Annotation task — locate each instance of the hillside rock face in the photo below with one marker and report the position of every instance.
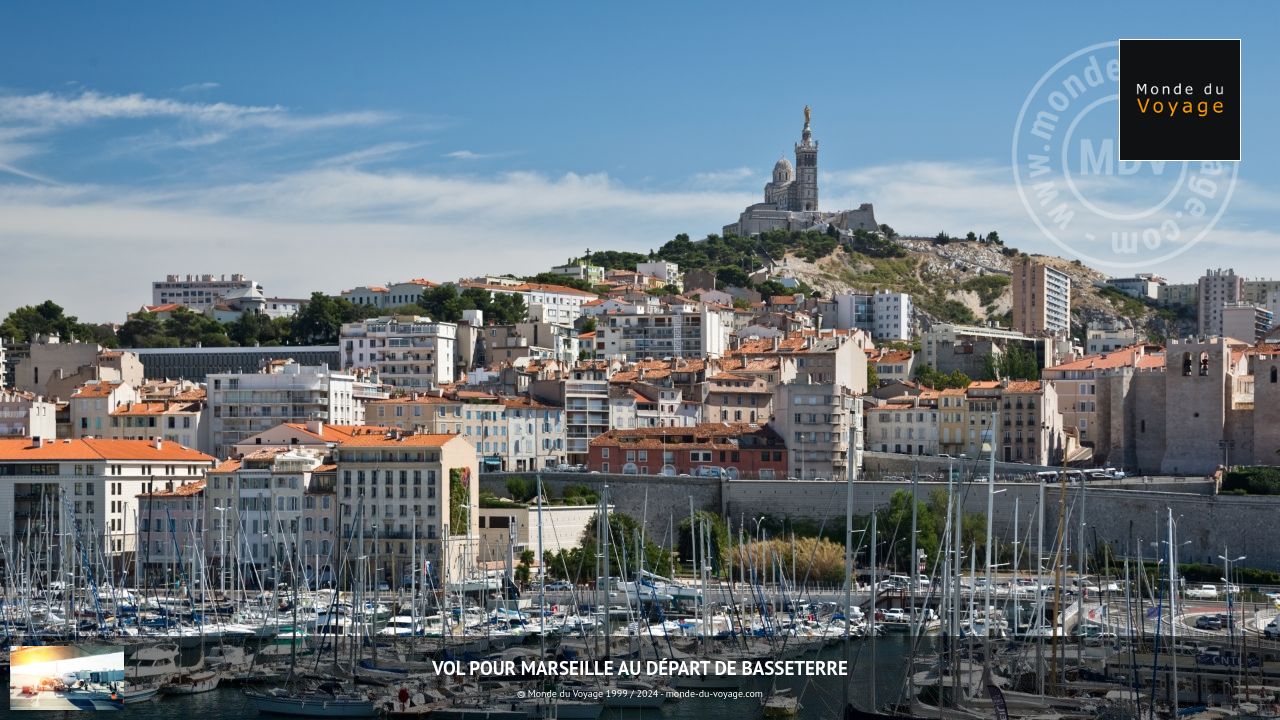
(946, 282)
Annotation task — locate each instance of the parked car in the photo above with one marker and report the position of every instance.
(1272, 630)
(895, 615)
(559, 585)
(1208, 622)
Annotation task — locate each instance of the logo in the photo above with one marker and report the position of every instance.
(1107, 211)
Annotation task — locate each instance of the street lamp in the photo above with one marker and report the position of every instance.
(1226, 570)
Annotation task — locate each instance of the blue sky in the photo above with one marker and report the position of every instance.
(323, 146)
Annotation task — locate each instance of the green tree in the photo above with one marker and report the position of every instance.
(521, 488)
(141, 330)
(47, 318)
(459, 500)
(894, 526)
(1015, 363)
(320, 321)
(873, 377)
(719, 540)
(189, 328)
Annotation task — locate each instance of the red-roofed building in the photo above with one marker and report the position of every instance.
(740, 450)
(93, 481)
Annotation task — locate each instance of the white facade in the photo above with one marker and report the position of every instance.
(93, 482)
(244, 404)
(891, 313)
(198, 292)
(1101, 339)
(667, 272)
(405, 351)
(25, 414)
(507, 532)
(690, 330)
(903, 427)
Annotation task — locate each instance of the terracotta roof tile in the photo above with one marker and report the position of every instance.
(98, 449)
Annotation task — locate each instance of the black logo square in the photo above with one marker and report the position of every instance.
(1180, 100)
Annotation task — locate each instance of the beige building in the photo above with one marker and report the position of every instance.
(55, 369)
(1041, 298)
(506, 532)
(817, 422)
(1030, 424)
(1215, 289)
(738, 398)
(393, 486)
(1077, 385)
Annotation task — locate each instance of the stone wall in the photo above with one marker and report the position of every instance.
(1127, 516)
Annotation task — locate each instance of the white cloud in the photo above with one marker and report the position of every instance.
(198, 87)
(732, 179)
(50, 110)
(365, 156)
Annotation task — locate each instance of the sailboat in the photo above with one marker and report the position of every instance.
(325, 700)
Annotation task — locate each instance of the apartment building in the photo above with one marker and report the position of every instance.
(737, 398)
(393, 487)
(584, 394)
(92, 485)
(732, 450)
(1245, 321)
(391, 295)
(24, 414)
(405, 351)
(1041, 298)
(691, 330)
(1030, 427)
(242, 405)
(494, 346)
(817, 421)
(55, 369)
(170, 536)
(508, 433)
(1215, 290)
(819, 356)
(255, 514)
(907, 424)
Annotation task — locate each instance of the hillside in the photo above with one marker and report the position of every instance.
(951, 279)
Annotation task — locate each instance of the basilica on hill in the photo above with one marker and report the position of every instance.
(791, 198)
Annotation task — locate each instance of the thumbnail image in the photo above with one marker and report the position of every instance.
(66, 677)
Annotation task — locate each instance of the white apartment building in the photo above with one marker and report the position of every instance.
(92, 482)
(891, 313)
(405, 351)
(255, 512)
(906, 425)
(388, 296)
(1101, 338)
(692, 330)
(584, 395)
(508, 433)
(667, 272)
(245, 404)
(198, 292)
(24, 414)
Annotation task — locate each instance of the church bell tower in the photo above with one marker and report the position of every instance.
(806, 183)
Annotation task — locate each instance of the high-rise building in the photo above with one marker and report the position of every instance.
(1216, 289)
(1041, 298)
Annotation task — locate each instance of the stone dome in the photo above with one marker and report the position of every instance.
(782, 170)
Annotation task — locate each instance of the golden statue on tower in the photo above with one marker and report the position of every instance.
(806, 114)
